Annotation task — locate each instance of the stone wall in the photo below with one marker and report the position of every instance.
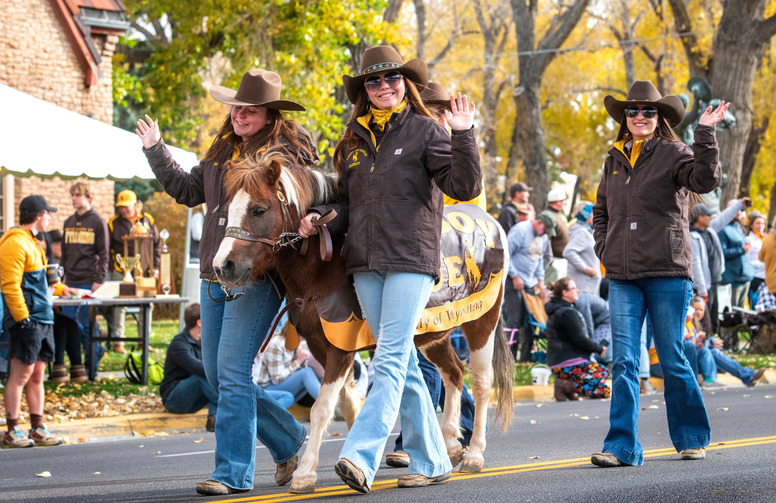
(38, 59)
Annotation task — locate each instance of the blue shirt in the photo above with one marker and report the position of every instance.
(525, 253)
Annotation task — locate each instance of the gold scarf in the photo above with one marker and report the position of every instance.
(380, 117)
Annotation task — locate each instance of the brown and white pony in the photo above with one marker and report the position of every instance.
(268, 197)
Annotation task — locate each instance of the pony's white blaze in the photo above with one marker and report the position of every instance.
(237, 211)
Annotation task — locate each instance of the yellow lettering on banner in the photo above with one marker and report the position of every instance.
(447, 316)
(488, 229)
(461, 222)
(453, 265)
(441, 281)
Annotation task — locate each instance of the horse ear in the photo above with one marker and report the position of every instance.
(273, 171)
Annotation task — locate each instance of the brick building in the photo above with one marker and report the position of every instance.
(59, 51)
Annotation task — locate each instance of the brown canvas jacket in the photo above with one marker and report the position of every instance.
(390, 202)
(641, 215)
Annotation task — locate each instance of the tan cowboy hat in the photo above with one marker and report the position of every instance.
(379, 59)
(643, 92)
(258, 88)
(435, 94)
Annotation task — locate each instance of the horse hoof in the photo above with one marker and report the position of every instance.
(302, 488)
(456, 455)
(471, 465)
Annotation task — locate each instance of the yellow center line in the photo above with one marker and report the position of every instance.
(493, 472)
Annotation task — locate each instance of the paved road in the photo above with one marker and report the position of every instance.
(543, 458)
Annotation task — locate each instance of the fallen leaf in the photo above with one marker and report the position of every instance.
(539, 404)
(158, 452)
(81, 439)
(534, 457)
(199, 441)
(335, 434)
(97, 473)
(768, 396)
(533, 422)
(43, 474)
(584, 418)
(654, 407)
(723, 409)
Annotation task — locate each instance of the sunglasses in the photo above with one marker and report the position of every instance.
(646, 112)
(376, 82)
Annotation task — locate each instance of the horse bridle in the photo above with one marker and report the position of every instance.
(283, 239)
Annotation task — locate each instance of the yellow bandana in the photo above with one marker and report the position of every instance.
(380, 117)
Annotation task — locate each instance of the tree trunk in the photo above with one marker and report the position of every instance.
(529, 134)
(750, 154)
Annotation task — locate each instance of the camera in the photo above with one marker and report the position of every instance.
(748, 203)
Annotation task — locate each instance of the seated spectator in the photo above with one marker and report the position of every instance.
(719, 360)
(569, 348)
(289, 371)
(184, 388)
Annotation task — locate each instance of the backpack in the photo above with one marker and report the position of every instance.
(133, 369)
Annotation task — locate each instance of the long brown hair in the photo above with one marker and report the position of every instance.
(663, 130)
(350, 140)
(276, 129)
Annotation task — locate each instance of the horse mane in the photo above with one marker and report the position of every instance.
(275, 170)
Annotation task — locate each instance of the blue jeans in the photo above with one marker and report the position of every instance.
(232, 333)
(300, 383)
(392, 303)
(81, 315)
(437, 391)
(190, 395)
(727, 364)
(666, 301)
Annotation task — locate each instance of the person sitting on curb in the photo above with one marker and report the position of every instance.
(718, 359)
(569, 348)
(291, 371)
(184, 388)
(29, 320)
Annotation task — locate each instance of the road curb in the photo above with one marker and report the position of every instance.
(163, 423)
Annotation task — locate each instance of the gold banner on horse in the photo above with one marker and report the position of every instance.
(471, 248)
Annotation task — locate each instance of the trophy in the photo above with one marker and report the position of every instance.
(166, 285)
(127, 286)
(140, 240)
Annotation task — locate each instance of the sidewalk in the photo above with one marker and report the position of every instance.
(161, 424)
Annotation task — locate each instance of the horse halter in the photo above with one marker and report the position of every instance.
(283, 239)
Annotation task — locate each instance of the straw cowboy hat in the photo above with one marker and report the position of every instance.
(643, 92)
(258, 88)
(379, 59)
(435, 94)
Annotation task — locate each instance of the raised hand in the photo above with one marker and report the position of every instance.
(462, 116)
(710, 118)
(148, 131)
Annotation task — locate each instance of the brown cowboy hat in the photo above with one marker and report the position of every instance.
(258, 88)
(643, 92)
(379, 59)
(435, 94)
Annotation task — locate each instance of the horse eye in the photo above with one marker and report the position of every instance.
(259, 212)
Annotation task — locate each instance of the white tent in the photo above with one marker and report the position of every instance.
(40, 138)
(43, 139)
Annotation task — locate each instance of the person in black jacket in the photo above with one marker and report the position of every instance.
(184, 388)
(569, 348)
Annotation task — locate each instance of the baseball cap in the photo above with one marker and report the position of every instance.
(35, 204)
(521, 187)
(125, 198)
(556, 195)
(548, 218)
(698, 210)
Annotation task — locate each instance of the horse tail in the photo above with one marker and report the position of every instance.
(503, 377)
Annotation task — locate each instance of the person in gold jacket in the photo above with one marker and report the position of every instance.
(29, 320)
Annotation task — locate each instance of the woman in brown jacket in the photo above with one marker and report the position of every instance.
(392, 162)
(642, 238)
(233, 331)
